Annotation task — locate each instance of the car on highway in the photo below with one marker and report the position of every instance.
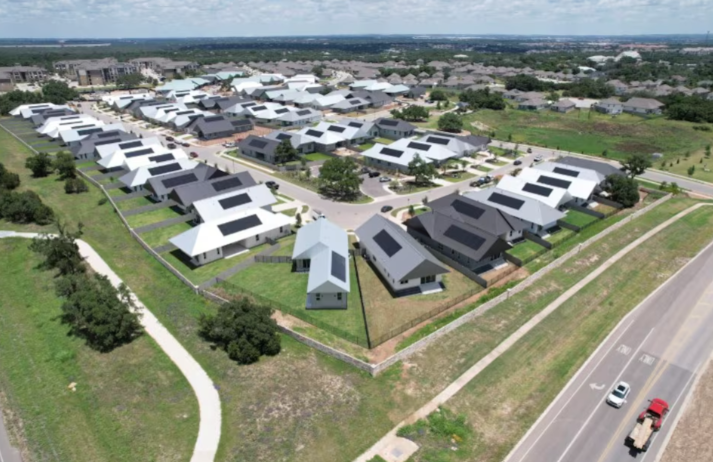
(272, 185)
(193, 155)
(617, 397)
(386, 208)
(374, 174)
(517, 162)
(384, 179)
(647, 424)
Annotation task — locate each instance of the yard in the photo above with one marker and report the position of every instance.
(155, 216)
(526, 249)
(560, 236)
(681, 164)
(580, 219)
(457, 177)
(409, 187)
(161, 236)
(316, 156)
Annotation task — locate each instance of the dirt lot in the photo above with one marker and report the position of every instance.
(691, 440)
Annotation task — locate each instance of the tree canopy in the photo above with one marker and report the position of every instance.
(60, 251)
(127, 81)
(421, 170)
(483, 99)
(636, 164)
(57, 92)
(64, 165)
(524, 82)
(285, 152)
(411, 113)
(24, 207)
(689, 108)
(40, 164)
(338, 178)
(438, 95)
(8, 180)
(450, 122)
(624, 190)
(589, 88)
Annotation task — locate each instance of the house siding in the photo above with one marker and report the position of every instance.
(396, 285)
(326, 301)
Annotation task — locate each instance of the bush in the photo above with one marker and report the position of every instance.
(75, 186)
(40, 164)
(8, 180)
(24, 207)
(450, 122)
(102, 201)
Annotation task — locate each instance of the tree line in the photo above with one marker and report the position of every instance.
(53, 91)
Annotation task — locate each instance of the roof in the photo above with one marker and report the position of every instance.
(259, 144)
(106, 150)
(165, 184)
(318, 241)
(88, 145)
(142, 174)
(186, 195)
(216, 207)
(473, 213)
(643, 103)
(548, 195)
(212, 235)
(603, 168)
(579, 188)
(522, 207)
(394, 124)
(400, 254)
(564, 103)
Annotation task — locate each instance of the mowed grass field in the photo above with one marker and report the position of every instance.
(132, 404)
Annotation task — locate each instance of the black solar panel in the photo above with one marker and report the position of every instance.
(304, 112)
(258, 144)
(69, 118)
(183, 112)
(172, 110)
(389, 123)
(556, 182)
(241, 224)
(70, 123)
(76, 127)
(259, 108)
(234, 201)
(467, 209)
(131, 144)
(419, 146)
(108, 141)
(89, 131)
(391, 152)
(355, 124)
(339, 267)
(507, 201)
(250, 104)
(315, 133)
(567, 172)
(126, 97)
(282, 111)
(165, 169)
(337, 129)
(180, 180)
(162, 158)
(354, 101)
(468, 239)
(387, 243)
(140, 152)
(436, 140)
(227, 184)
(535, 189)
(107, 134)
(212, 119)
(284, 136)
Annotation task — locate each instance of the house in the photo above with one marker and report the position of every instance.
(538, 216)
(27, 111)
(74, 136)
(375, 99)
(185, 195)
(404, 264)
(533, 104)
(571, 171)
(107, 149)
(54, 124)
(86, 149)
(233, 234)
(161, 187)
(299, 118)
(350, 105)
(42, 117)
(259, 148)
(301, 143)
(416, 92)
(137, 153)
(579, 189)
(550, 196)
(512, 94)
(644, 106)
(328, 136)
(603, 168)
(609, 106)
(322, 249)
(221, 205)
(218, 126)
(136, 179)
(620, 88)
(563, 105)
(394, 129)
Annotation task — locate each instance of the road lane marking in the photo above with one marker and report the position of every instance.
(624, 349)
(647, 359)
(599, 402)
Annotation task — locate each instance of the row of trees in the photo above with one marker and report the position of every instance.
(52, 92)
(410, 113)
(42, 164)
(482, 99)
(21, 207)
(688, 108)
(585, 88)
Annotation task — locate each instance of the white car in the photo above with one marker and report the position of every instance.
(618, 395)
(384, 179)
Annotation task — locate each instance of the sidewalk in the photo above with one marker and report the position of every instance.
(208, 399)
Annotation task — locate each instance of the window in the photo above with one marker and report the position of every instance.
(306, 263)
(428, 279)
(403, 281)
(257, 238)
(218, 250)
(339, 296)
(204, 257)
(440, 246)
(318, 297)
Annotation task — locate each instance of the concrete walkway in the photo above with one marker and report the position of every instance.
(392, 445)
(208, 398)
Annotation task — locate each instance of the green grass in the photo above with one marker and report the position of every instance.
(410, 188)
(155, 216)
(462, 176)
(131, 404)
(580, 219)
(134, 203)
(366, 146)
(161, 236)
(680, 165)
(483, 169)
(287, 244)
(200, 274)
(560, 236)
(385, 141)
(289, 212)
(525, 249)
(442, 434)
(316, 156)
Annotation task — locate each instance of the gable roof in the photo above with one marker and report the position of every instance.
(571, 171)
(318, 241)
(522, 207)
(165, 184)
(603, 168)
(260, 144)
(186, 195)
(142, 174)
(579, 188)
(477, 215)
(216, 207)
(406, 259)
(394, 124)
(548, 195)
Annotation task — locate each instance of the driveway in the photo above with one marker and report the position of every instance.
(372, 187)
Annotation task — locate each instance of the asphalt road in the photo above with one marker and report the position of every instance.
(658, 350)
(7, 452)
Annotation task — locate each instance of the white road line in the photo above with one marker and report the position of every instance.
(599, 402)
(584, 382)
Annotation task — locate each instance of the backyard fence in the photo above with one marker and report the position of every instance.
(272, 259)
(537, 239)
(609, 202)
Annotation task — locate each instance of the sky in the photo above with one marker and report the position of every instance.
(235, 18)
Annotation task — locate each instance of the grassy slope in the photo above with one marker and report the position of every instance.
(130, 404)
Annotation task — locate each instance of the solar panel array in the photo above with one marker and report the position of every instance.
(179, 180)
(212, 118)
(235, 201)
(257, 143)
(173, 109)
(389, 123)
(140, 152)
(314, 133)
(354, 101)
(336, 128)
(89, 131)
(466, 238)
(107, 141)
(162, 158)
(183, 112)
(391, 152)
(259, 108)
(282, 111)
(565, 171)
(419, 146)
(76, 127)
(227, 184)
(165, 169)
(467, 209)
(241, 224)
(70, 123)
(507, 201)
(69, 117)
(535, 189)
(284, 136)
(556, 182)
(303, 112)
(339, 267)
(131, 144)
(355, 124)
(387, 243)
(250, 104)
(436, 140)
(107, 134)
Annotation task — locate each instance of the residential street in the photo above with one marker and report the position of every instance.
(7, 452)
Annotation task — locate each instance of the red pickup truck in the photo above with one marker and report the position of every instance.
(648, 422)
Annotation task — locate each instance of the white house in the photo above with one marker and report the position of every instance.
(217, 207)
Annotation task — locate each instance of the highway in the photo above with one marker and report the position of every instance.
(658, 349)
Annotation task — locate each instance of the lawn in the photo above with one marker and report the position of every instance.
(316, 156)
(161, 236)
(462, 176)
(580, 219)
(289, 212)
(483, 168)
(385, 141)
(155, 216)
(366, 146)
(287, 244)
(526, 249)
(411, 188)
(681, 164)
(560, 236)
(131, 404)
(134, 203)
(504, 400)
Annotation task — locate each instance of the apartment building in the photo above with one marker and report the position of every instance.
(22, 74)
(167, 67)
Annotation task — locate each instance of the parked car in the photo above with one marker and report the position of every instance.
(169, 138)
(529, 150)
(538, 159)
(229, 145)
(517, 162)
(185, 145)
(193, 155)
(384, 179)
(316, 215)
(272, 185)
(386, 208)
(373, 174)
(618, 395)
(171, 145)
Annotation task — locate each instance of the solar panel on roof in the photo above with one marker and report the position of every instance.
(162, 158)
(241, 224)
(131, 144)
(467, 209)
(336, 128)
(284, 136)
(507, 201)
(567, 172)
(258, 144)
(259, 108)
(315, 133)
(69, 117)
(172, 110)
(140, 152)
(77, 127)
(535, 189)
(391, 152)
(183, 112)
(468, 239)
(282, 111)
(70, 123)
(108, 141)
(339, 267)
(89, 131)
(107, 134)
(355, 124)
(234, 201)
(556, 182)
(179, 180)
(389, 123)
(250, 104)
(304, 112)
(227, 184)
(387, 243)
(354, 101)
(125, 97)
(212, 119)
(419, 146)
(436, 140)
(165, 169)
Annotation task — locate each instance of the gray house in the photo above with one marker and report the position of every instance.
(218, 126)
(609, 106)
(405, 266)
(394, 129)
(643, 106)
(161, 187)
(564, 106)
(259, 148)
(86, 149)
(322, 249)
(185, 195)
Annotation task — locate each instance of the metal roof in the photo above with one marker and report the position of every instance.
(316, 241)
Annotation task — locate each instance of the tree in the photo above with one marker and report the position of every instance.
(298, 219)
(708, 150)
(8, 180)
(636, 164)
(438, 95)
(623, 189)
(75, 186)
(338, 178)
(64, 165)
(411, 210)
(24, 207)
(318, 71)
(40, 164)
(128, 81)
(482, 99)
(58, 92)
(691, 170)
(60, 251)
(412, 113)
(242, 329)
(285, 152)
(421, 170)
(524, 82)
(450, 122)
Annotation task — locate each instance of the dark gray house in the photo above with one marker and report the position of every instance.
(259, 148)
(394, 129)
(162, 186)
(86, 149)
(603, 168)
(39, 119)
(218, 126)
(405, 266)
(375, 98)
(416, 92)
(185, 195)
